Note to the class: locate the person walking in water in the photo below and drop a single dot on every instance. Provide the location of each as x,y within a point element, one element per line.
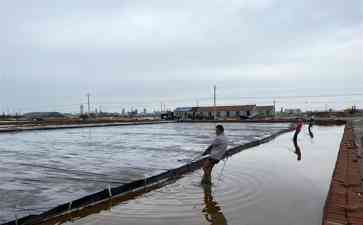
<point>216,152</point>
<point>298,129</point>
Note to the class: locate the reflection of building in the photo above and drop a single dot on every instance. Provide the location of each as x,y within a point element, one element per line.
<point>218,112</point>
<point>268,110</point>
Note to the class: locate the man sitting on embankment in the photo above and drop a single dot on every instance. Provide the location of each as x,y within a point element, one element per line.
<point>217,151</point>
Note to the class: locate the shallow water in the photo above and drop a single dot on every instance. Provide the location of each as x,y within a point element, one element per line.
<point>42,169</point>
<point>265,185</point>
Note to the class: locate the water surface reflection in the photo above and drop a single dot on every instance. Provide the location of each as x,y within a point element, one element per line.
<point>212,211</point>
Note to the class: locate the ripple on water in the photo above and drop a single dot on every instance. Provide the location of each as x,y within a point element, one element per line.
<point>241,186</point>
<point>119,151</point>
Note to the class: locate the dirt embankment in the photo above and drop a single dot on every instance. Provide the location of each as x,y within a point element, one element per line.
<point>69,123</point>
<point>344,204</point>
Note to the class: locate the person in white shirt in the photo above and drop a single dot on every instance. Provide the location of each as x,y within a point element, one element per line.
<point>216,152</point>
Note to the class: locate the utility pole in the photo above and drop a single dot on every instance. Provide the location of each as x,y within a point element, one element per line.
<point>88,102</point>
<point>215,101</point>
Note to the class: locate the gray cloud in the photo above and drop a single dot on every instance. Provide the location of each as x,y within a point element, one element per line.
<point>52,53</point>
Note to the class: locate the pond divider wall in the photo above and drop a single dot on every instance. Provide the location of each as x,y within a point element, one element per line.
<point>131,188</point>
<point>318,121</point>
<point>28,126</point>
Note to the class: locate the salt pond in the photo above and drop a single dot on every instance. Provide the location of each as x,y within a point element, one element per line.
<point>42,169</point>
<point>265,185</point>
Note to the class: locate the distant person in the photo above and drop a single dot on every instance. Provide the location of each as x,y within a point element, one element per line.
<point>311,123</point>
<point>216,152</point>
<point>298,129</point>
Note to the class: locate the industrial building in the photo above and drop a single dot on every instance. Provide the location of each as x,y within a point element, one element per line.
<point>222,112</point>
<point>266,111</point>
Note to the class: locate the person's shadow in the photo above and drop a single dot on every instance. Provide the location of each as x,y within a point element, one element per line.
<point>211,211</point>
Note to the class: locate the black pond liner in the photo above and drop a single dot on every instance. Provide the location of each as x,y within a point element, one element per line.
<point>131,187</point>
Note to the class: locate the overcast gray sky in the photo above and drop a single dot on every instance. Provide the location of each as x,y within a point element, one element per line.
<point>146,52</point>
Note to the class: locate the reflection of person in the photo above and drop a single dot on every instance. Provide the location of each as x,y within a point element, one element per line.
<point>298,128</point>
<point>217,151</point>
<point>297,150</point>
<point>212,212</point>
<point>311,123</point>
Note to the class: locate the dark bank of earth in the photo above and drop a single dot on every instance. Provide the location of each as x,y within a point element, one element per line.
<point>344,205</point>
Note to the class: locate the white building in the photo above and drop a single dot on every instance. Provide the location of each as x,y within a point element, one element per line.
<point>218,112</point>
